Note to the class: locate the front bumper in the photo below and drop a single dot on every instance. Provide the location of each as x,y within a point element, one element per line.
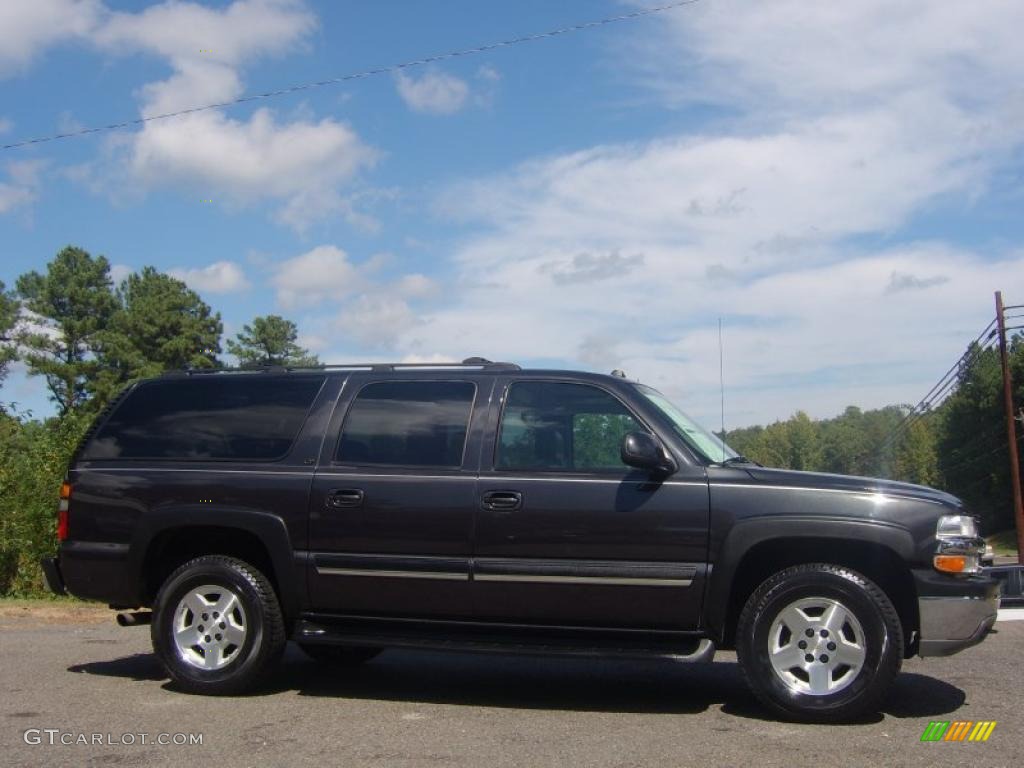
<point>955,612</point>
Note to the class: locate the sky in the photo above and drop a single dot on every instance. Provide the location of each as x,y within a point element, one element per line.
<point>839,183</point>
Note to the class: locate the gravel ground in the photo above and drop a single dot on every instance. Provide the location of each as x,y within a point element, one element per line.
<point>430,709</point>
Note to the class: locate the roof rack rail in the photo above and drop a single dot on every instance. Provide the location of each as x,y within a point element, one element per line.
<point>480,363</point>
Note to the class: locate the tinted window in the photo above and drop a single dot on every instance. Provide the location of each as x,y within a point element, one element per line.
<point>244,417</point>
<point>408,423</point>
<point>554,426</point>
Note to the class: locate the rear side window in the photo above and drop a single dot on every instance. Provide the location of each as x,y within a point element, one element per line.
<point>557,426</point>
<point>244,418</point>
<point>408,423</point>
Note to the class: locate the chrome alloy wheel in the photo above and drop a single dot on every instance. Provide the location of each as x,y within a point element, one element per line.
<point>816,646</point>
<point>209,627</point>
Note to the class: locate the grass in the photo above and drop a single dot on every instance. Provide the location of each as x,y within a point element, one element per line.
<point>51,610</point>
<point>1004,543</point>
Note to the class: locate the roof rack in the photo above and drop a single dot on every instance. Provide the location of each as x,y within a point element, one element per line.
<point>479,363</point>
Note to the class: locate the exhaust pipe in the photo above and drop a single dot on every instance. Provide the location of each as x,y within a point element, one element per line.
<point>135,618</point>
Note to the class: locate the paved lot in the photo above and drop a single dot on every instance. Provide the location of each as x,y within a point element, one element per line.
<point>425,709</point>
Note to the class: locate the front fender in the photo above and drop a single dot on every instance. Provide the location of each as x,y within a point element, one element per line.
<point>745,534</point>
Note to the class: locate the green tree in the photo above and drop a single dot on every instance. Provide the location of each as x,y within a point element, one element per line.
<point>804,443</point>
<point>917,457</point>
<point>34,458</point>
<point>844,444</point>
<point>772,446</point>
<point>161,325</point>
<point>972,446</point>
<point>8,319</point>
<point>270,340</point>
<point>69,307</point>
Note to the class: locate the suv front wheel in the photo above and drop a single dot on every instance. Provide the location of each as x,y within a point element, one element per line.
<point>819,643</point>
<point>217,625</point>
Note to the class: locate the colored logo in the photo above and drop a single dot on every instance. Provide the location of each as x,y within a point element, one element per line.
<point>959,730</point>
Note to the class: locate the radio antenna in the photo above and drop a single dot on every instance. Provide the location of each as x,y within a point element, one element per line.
<point>721,383</point>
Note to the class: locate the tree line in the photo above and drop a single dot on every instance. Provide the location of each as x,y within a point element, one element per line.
<point>85,338</point>
<point>960,446</point>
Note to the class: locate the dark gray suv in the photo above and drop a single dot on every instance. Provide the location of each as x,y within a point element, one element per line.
<point>479,506</point>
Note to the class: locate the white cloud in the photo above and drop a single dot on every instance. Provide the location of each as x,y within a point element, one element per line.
<point>22,186</point>
<point>118,273</point>
<point>321,274</point>
<point>30,26</point>
<point>188,33</point>
<point>219,277</point>
<point>850,120</point>
<point>300,164</point>
<point>416,286</point>
<point>375,320</point>
<point>433,92</point>
<point>5,125</point>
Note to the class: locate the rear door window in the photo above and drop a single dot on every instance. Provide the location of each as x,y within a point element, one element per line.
<point>242,417</point>
<point>408,424</point>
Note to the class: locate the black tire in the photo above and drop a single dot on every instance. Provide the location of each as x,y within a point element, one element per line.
<point>339,655</point>
<point>876,626</point>
<point>245,663</point>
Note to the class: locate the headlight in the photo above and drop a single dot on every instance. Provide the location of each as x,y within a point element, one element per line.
<point>960,526</point>
<point>959,545</point>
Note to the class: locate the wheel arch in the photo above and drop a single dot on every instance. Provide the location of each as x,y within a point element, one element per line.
<point>756,549</point>
<point>166,539</point>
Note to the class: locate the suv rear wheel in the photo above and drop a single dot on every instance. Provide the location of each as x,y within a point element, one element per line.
<point>217,625</point>
<point>819,643</point>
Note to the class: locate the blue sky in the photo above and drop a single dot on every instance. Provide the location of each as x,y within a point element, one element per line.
<point>841,183</point>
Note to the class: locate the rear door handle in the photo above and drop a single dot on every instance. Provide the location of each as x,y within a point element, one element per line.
<point>502,501</point>
<point>345,498</point>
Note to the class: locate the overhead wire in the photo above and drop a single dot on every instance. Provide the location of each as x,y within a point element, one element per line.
<point>934,396</point>
<point>391,68</point>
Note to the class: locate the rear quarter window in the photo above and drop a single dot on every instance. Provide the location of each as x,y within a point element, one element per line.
<point>242,418</point>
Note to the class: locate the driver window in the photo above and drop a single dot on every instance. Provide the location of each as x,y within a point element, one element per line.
<point>564,427</point>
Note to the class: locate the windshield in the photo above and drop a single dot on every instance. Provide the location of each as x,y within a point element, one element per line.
<point>693,434</point>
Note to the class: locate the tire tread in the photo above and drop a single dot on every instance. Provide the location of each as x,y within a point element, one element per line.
<point>888,670</point>
<point>273,626</point>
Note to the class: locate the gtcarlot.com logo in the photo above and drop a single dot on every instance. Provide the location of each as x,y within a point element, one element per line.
<point>958,730</point>
<point>58,737</point>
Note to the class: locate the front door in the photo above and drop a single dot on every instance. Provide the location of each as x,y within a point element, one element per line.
<point>393,498</point>
<point>567,534</point>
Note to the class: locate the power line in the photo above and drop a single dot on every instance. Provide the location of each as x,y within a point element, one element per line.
<point>936,397</point>
<point>944,384</point>
<point>367,72</point>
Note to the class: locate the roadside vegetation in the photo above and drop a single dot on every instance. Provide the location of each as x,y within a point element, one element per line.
<point>959,447</point>
<point>84,339</point>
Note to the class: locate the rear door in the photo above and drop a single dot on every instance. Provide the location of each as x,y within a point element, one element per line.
<point>566,533</point>
<point>393,498</point>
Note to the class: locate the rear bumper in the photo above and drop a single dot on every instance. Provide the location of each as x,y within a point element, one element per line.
<point>52,576</point>
<point>955,613</point>
<point>96,571</point>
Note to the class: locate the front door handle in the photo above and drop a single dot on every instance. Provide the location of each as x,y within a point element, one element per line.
<point>502,501</point>
<point>345,498</point>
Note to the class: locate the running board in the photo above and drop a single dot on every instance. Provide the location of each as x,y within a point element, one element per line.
<point>505,638</point>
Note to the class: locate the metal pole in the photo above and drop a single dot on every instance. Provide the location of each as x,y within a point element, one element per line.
<point>1011,428</point>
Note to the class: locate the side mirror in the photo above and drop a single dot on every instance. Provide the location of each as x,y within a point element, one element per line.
<point>643,451</point>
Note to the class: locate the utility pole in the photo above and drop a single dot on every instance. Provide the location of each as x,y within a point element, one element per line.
<point>1011,428</point>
